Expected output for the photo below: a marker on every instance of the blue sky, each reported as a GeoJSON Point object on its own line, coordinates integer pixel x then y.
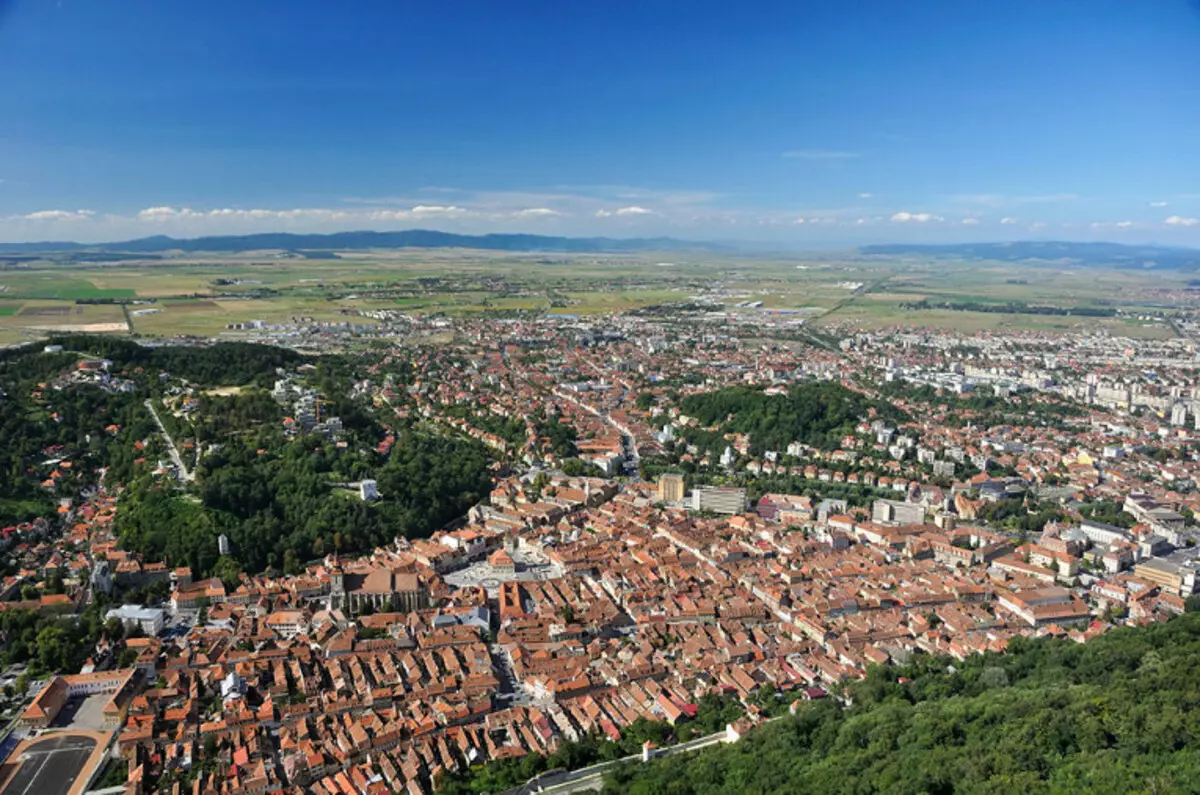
{"type": "Point", "coordinates": [806, 123]}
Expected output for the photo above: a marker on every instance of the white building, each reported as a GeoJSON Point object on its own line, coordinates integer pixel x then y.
{"type": "Point", "coordinates": [150, 619]}
{"type": "Point", "coordinates": [727, 457]}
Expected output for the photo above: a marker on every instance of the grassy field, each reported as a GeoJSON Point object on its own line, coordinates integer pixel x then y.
{"type": "Point", "coordinates": [212, 317]}
{"type": "Point", "coordinates": [884, 310]}
{"type": "Point", "coordinates": [204, 294]}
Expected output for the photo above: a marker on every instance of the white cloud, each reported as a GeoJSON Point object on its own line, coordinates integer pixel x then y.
{"type": "Point", "coordinates": [821, 154]}
{"type": "Point", "coordinates": [428, 210]}
{"type": "Point", "coordinates": [1176, 220]}
{"type": "Point", "coordinates": [1009, 220]}
{"type": "Point", "coordinates": [920, 218]}
{"type": "Point", "coordinates": [635, 210]}
{"type": "Point", "coordinates": [603, 214]}
{"type": "Point", "coordinates": [164, 213]}
{"type": "Point", "coordinates": [970, 222]}
{"type": "Point", "coordinates": [58, 215]}
{"type": "Point", "coordinates": [1036, 225]}
{"type": "Point", "coordinates": [1159, 204]}
{"type": "Point", "coordinates": [171, 214]}
{"type": "Point", "coordinates": [866, 195]}
{"type": "Point", "coordinates": [1124, 224]}
{"type": "Point", "coordinates": [536, 212]}
{"type": "Point", "coordinates": [800, 221]}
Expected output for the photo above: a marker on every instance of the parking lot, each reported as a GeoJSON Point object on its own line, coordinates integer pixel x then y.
{"type": "Point", "coordinates": [85, 714]}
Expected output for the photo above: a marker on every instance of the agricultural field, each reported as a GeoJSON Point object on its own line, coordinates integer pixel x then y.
{"type": "Point", "coordinates": [872, 312]}
{"type": "Point", "coordinates": [28, 320]}
{"type": "Point", "coordinates": [204, 295]}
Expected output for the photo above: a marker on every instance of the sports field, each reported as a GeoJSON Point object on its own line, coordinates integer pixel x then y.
{"type": "Point", "coordinates": [49, 766]}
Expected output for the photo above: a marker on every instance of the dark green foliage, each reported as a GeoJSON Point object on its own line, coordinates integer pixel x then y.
{"type": "Point", "coordinates": [1107, 512]}
{"type": "Point", "coordinates": [817, 414]}
{"type": "Point", "coordinates": [1010, 308]}
{"type": "Point", "coordinates": [222, 364]}
{"type": "Point", "coordinates": [510, 429]}
{"type": "Point", "coordinates": [34, 428]}
{"type": "Point", "coordinates": [114, 775]}
{"type": "Point", "coordinates": [275, 497]}
{"type": "Point", "coordinates": [559, 436]}
{"type": "Point", "coordinates": [76, 417]}
{"type": "Point", "coordinates": [50, 644]}
{"type": "Point", "coordinates": [1019, 514]}
{"type": "Point", "coordinates": [713, 713]}
{"type": "Point", "coordinates": [218, 416]}
{"type": "Point", "coordinates": [283, 500]}
{"type": "Point", "coordinates": [1116, 715]}
{"type": "Point", "coordinates": [575, 467]}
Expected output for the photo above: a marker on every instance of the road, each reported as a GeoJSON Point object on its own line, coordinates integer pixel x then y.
{"type": "Point", "coordinates": [592, 778]}
{"type": "Point", "coordinates": [779, 613]}
{"type": "Point", "coordinates": [184, 474]}
{"type": "Point", "coordinates": [628, 442]}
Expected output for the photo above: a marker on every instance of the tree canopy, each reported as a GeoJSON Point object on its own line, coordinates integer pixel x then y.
{"type": "Point", "coordinates": [1115, 715]}
{"type": "Point", "coordinates": [285, 500]}
{"type": "Point", "coordinates": [817, 414]}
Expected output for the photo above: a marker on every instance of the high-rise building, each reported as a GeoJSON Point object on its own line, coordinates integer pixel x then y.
{"type": "Point", "coordinates": [718, 499]}
{"type": "Point", "coordinates": [670, 487]}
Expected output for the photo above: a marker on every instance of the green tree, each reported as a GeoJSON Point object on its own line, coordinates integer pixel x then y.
{"type": "Point", "coordinates": [53, 648]}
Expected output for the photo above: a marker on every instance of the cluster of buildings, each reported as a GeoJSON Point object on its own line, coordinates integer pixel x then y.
{"type": "Point", "coordinates": [572, 602]}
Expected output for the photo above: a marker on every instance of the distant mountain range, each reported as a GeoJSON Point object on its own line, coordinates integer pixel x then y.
{"type": "Point", "coordinates": [344, 241]}
{"type": "Point", "coordinates": [1050, 252]}
{"type": "Point", "coordinates": [1112, 254]}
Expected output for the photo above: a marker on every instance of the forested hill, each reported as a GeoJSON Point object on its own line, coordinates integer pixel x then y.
{"type": "Point", "coordinates": [279, 493]}
{"type": "Point", "coordinates": [1117, 715]}
{"type": "Point", "coordinates": [411, 238]}
{"type": "Point", "coordinates": [222, 364]}
{"type": "Point", "coordinates": [816, 413]}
